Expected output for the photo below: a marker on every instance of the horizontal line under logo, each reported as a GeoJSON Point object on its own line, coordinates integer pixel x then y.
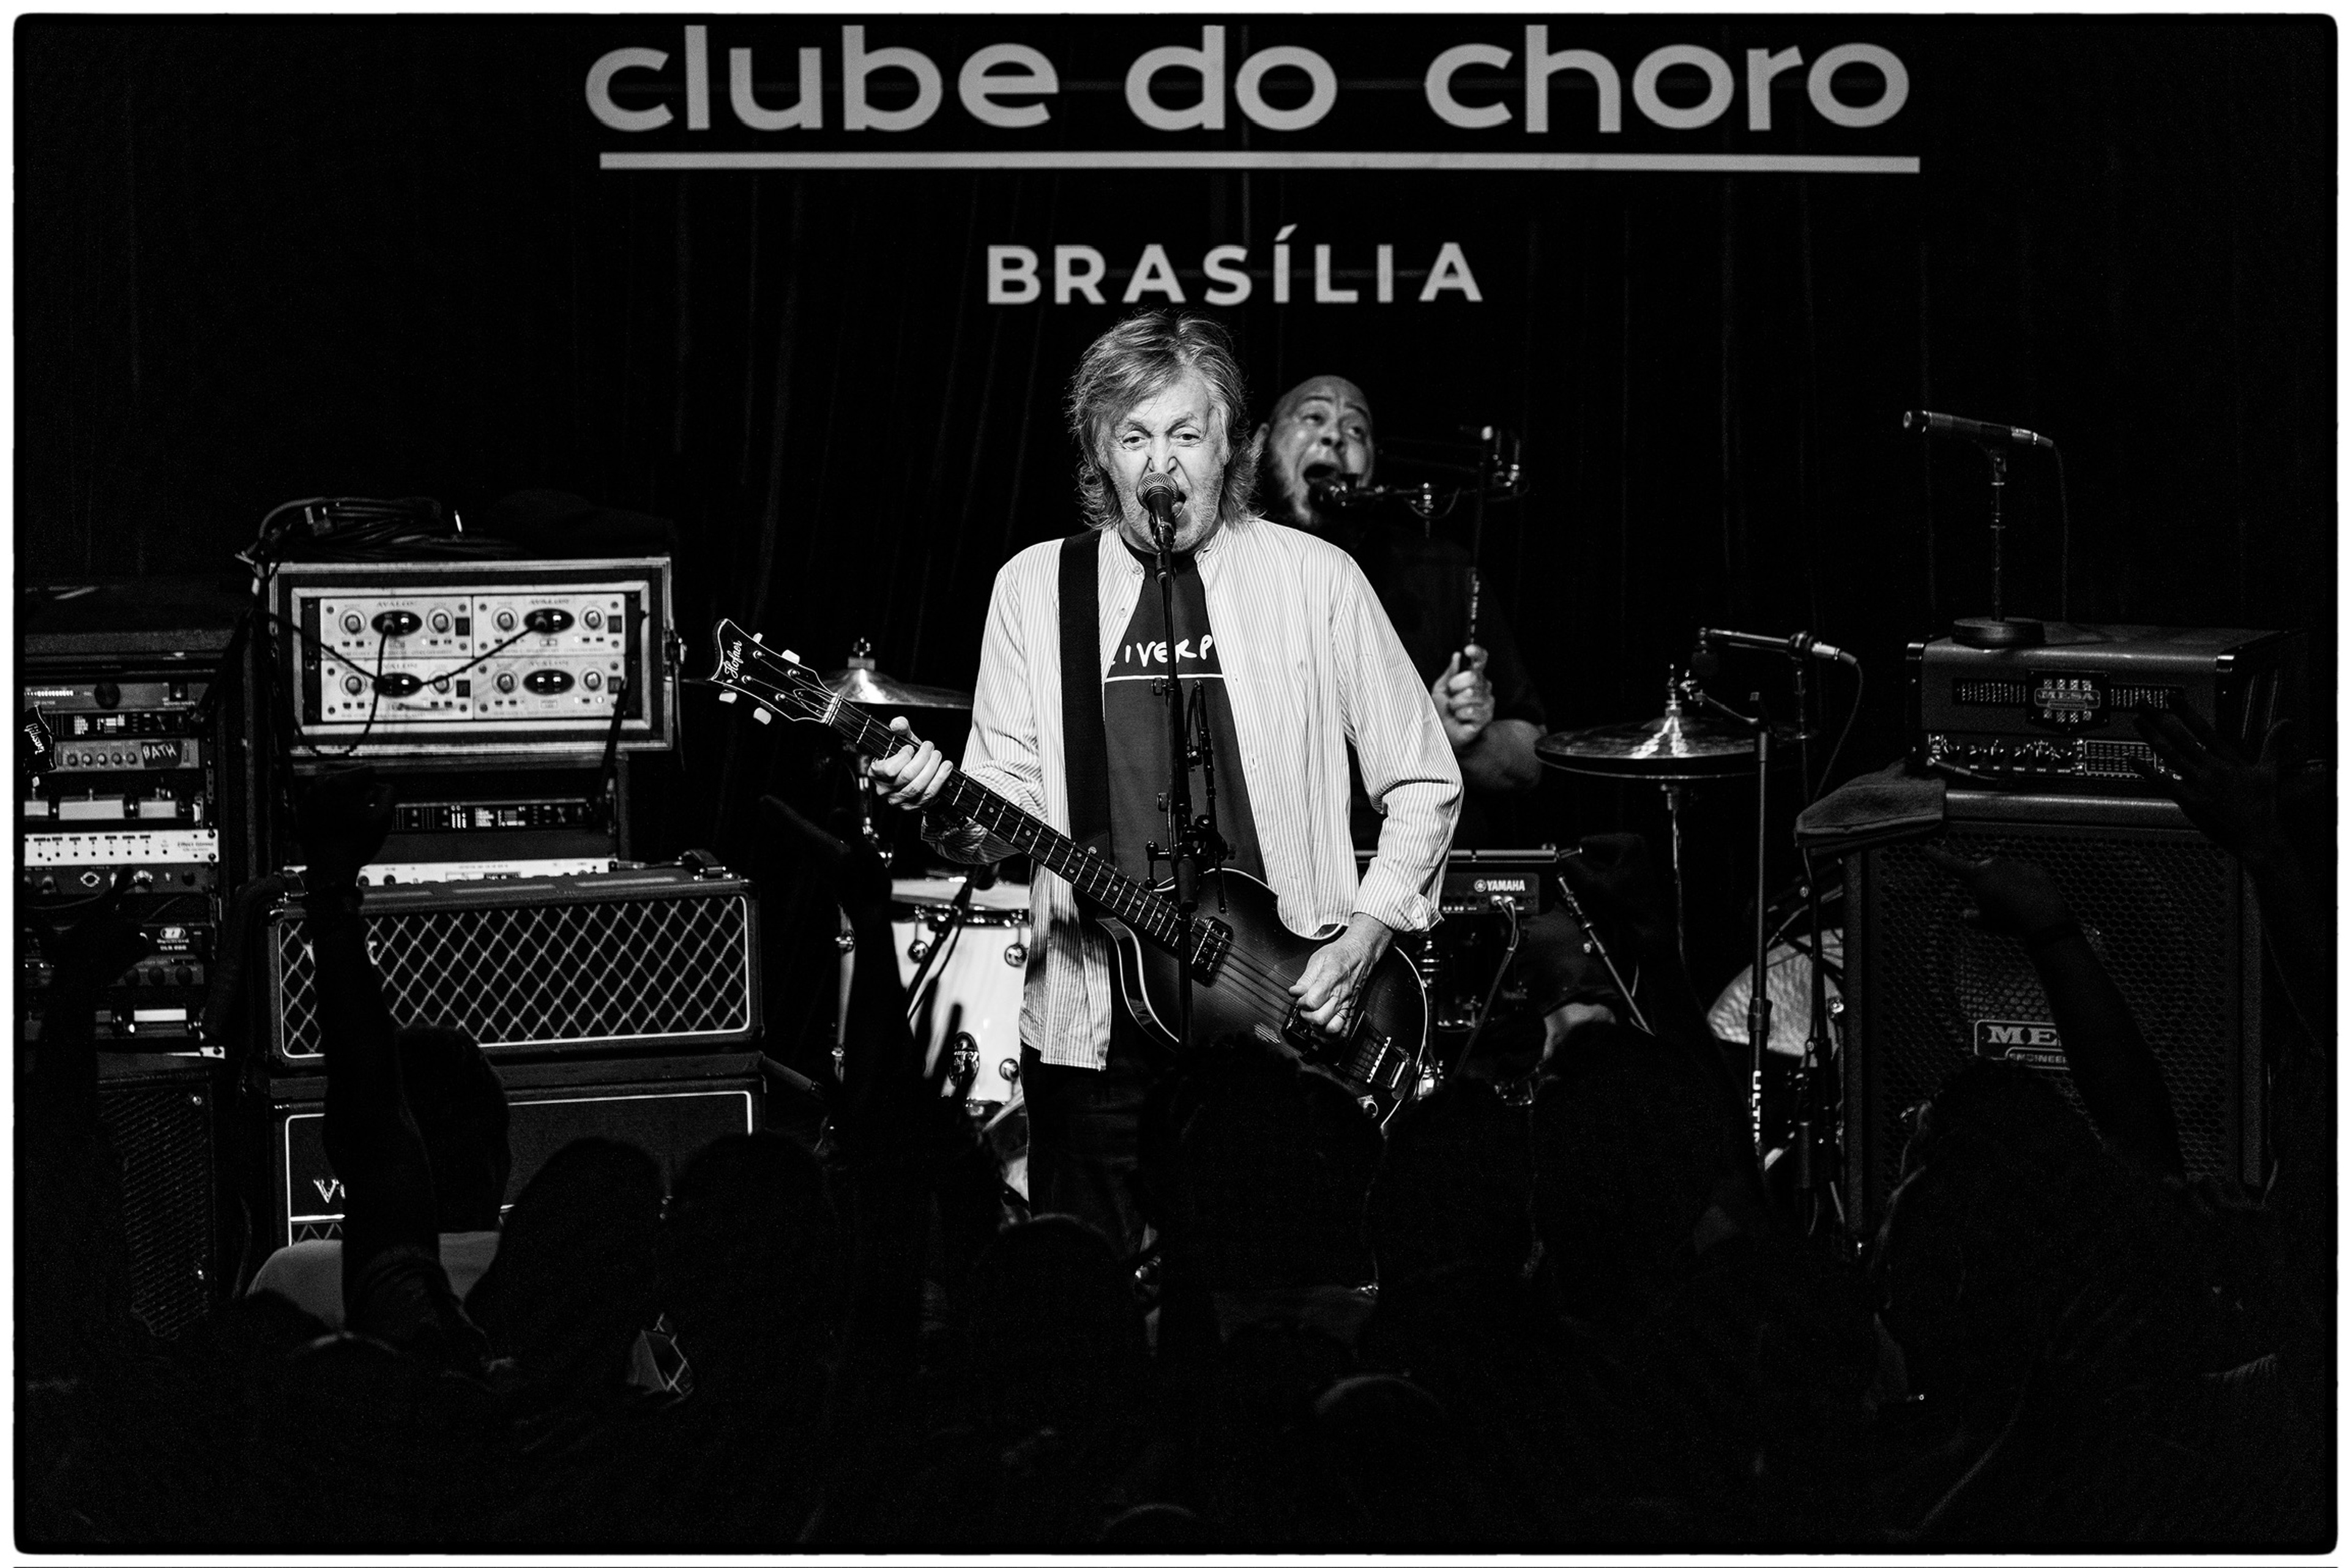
{"type": "Point", "coordinates": [1487, 162]}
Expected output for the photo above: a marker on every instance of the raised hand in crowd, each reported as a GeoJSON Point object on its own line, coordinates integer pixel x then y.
{"type": "Point", "coordinates": [2116, 1071]}
{"type": "Point", "coordinates": [393, 1285]}
{"type": "Point", "coordinates": [2244, 804]}
{"type": "Point", "coordinates": [897, 1138]}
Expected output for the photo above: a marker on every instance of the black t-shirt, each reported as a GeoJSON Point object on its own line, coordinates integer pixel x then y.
{"type": "Point", "coordinates": [1134, 725]}
{"type": "Point", "coordinates": [1423, 584]}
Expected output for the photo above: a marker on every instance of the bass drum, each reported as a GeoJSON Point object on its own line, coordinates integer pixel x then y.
{"type": "Point", "coordinates": [967, 1008]}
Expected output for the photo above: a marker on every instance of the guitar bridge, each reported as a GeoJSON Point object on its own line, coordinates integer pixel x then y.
{"type": "Point", "coordinates": [1378, 1065]}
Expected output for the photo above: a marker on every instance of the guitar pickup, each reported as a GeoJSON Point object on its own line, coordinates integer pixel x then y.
{"type": "Point", "coordinates": [1212, 941]}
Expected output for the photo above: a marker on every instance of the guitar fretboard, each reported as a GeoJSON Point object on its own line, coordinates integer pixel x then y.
{"type": "Point", "coordinates": [1089, 873]}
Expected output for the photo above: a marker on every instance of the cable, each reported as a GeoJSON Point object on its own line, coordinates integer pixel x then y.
{"type": "Point", "coordinates": [1485, 1011]}
{"type": "Point", "coordinates": [1860, 689]}
{"type": "Point", "coordinates": [2065, 541]}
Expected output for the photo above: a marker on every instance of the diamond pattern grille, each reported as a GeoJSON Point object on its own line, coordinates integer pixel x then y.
{"type": "Point", "coordinates": [2162, 913]}
{"type": "Point", "coordinates": [547, 975]}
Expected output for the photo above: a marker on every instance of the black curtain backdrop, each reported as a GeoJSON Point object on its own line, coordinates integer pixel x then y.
{"type": "Point", "coordinates": [266, 259]}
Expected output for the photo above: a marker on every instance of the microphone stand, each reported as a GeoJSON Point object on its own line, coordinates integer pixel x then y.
{"type": "Point", "coordinates": [1182, 852]}
{"type": "Point", "coordinates": [1998, 631]}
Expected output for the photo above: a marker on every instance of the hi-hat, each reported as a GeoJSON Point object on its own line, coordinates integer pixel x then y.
{"type": "Point", "coordinates": [1677, 748]}
{"type": "Point", "coordinates": [868, 688]}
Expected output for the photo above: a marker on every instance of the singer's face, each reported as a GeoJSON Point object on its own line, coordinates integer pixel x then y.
{"type": "Point", "coordinates": [1178, 432]}
{"type": "Point", "coordinates": [1320, 429]}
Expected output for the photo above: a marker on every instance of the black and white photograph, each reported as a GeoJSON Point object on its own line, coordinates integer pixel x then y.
{"type": "Point", "coordinates": [1177, 782]}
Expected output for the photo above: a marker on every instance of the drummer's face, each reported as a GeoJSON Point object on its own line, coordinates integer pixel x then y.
{"type": "Point", "coordinates": [1178, 431]}
{"type": "Point", "coordinates": [1321, 430]}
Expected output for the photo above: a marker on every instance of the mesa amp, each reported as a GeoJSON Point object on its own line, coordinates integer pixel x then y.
{"type": "Point", "coordinates": [453, 659]}
{"type": "Point", "coordinates": [669, 1106]}
{"type": "Point", "coordinates": [2170, 914]}
{"type": "Point", "coordinates": [661, 957]}
{"type": "Point", "coordinates": [2058, 715]}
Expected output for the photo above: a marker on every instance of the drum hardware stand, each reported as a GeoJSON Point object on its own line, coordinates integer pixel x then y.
{"type": "Point", "coordinates": [942, 937]}
{"type": "Point", "coordinates": [1592, 945]}
{"type": "Point", "coordinates": [1808, 1121]}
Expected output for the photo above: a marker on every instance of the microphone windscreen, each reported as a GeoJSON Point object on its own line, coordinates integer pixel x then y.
{"type": "Point", "coordinates": [1151, 485]}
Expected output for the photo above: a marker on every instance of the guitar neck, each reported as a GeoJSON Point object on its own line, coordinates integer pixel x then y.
{"type": "Point", "coordinates": [968, 800]}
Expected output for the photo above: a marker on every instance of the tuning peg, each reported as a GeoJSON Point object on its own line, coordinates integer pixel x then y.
{"type": "Point", "coordinates": [762, 715]}
{"type": "Point", "coordinates": [790, 655]}
{"type": "Point", "coordinates": [727, 696]}
{"type": "Point", "coordinates": [760, 638]}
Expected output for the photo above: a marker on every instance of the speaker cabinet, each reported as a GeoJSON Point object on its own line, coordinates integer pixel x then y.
{"type": "Point", "coordinates": [158, 1110]}
{"type": "Point", "coordinates": [670, 1106]}
{"type": "Point", "coordinates": [2169, 913]}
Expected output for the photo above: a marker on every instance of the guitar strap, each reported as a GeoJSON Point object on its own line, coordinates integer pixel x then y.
{"type": "Point", "coordinates": [1084, 743]}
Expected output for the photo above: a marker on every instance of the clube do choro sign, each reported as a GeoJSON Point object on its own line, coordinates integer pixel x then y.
{"type": "Point", "coordinates": [761, 96]}
{"type": "Point", "coordinates": [1009, 87]}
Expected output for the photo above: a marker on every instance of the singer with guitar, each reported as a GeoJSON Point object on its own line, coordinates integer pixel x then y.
{"type": "Point", "coordinates": [1281, 655]}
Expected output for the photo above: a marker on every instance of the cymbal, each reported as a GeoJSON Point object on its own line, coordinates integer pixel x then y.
{"type": "Point", "coordinates": [1677, 748]}
{"type": "Point", "coordinates": [869, 688]}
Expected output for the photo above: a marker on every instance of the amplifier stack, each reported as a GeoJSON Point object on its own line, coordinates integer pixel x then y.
{"type": "Point", "coordinates": [503, 701]}
{"type": "Point", "coordinates": [135, 761]}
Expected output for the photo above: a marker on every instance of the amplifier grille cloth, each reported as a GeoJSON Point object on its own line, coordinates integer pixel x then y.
{"type": "Point", "coordinates": [545, 974]}
{"type": "Point", "coordinates": [163, 1136]}
{"type": "Point", "coordinates": [2158, 913]}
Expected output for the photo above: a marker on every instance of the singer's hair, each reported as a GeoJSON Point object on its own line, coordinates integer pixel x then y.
{"type": "Point", "coordinates": [1135, 360]}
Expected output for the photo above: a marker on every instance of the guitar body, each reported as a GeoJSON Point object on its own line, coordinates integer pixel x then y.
{"type": "Point", "coordinates": [1244, 990]}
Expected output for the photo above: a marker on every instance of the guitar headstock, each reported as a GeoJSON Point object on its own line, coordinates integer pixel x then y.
{"type": "Point", "coordinates": [774, 679]}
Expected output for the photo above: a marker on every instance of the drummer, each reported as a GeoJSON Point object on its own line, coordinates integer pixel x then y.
{"type": "Point", "coordinates": [1321, 434]}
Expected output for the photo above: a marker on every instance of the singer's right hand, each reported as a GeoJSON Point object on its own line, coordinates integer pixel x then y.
{"type": "Point", "coordinates": [911, 776]}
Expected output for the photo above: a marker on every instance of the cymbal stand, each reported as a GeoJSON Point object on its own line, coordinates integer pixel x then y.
{"type": "Point", "coordinates": [1757, 1003]}
{"type": "Point", "coordinates": [1811, 1074]}
{"type": "Point", "coordinates": [1674, 792]}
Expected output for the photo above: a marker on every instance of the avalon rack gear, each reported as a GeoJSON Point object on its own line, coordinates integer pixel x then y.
{"type": "Point", "coordinates": [457, 658]}
{"type": "Point", "coordinates": [144, 773]}
{"type": "Point", "coordinates": [2059, 714]}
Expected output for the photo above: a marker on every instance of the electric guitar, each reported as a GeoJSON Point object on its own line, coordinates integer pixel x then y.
{"type": "Point", "coordinates": [1242, 958]}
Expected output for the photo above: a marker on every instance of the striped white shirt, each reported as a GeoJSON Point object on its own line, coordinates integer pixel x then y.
{"type": "Point", "coordinates": [1310, 663]}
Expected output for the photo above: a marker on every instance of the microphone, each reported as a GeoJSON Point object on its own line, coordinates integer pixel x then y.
{"type": "Point", "coordinates": [1925, 422]}
{"type": "Point", "coordinates": [1802, 645]}
{"type": "Point", "coordinates": [1157, 494]}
